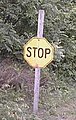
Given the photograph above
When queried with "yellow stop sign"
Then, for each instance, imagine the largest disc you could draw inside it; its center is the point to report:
(38, 52)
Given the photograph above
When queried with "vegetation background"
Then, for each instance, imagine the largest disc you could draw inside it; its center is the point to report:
(18, 23)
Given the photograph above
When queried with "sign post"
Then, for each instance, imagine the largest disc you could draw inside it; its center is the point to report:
(37, 70)
(38, 52)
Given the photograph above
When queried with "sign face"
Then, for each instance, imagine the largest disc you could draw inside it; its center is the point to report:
(38, 52)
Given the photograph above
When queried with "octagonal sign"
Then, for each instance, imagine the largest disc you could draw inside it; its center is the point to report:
(38, 52)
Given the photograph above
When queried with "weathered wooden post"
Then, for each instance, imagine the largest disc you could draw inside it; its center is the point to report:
(37, 70)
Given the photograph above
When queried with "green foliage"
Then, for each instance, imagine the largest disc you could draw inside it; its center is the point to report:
(8, 38)
(66, 70)
(18, 22)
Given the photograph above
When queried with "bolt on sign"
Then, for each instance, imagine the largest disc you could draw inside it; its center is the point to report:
(38, 52)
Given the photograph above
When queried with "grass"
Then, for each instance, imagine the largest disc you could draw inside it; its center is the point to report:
(17, 105)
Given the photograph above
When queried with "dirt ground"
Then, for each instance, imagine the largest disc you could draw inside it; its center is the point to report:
(14, 76)
(17, 77)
